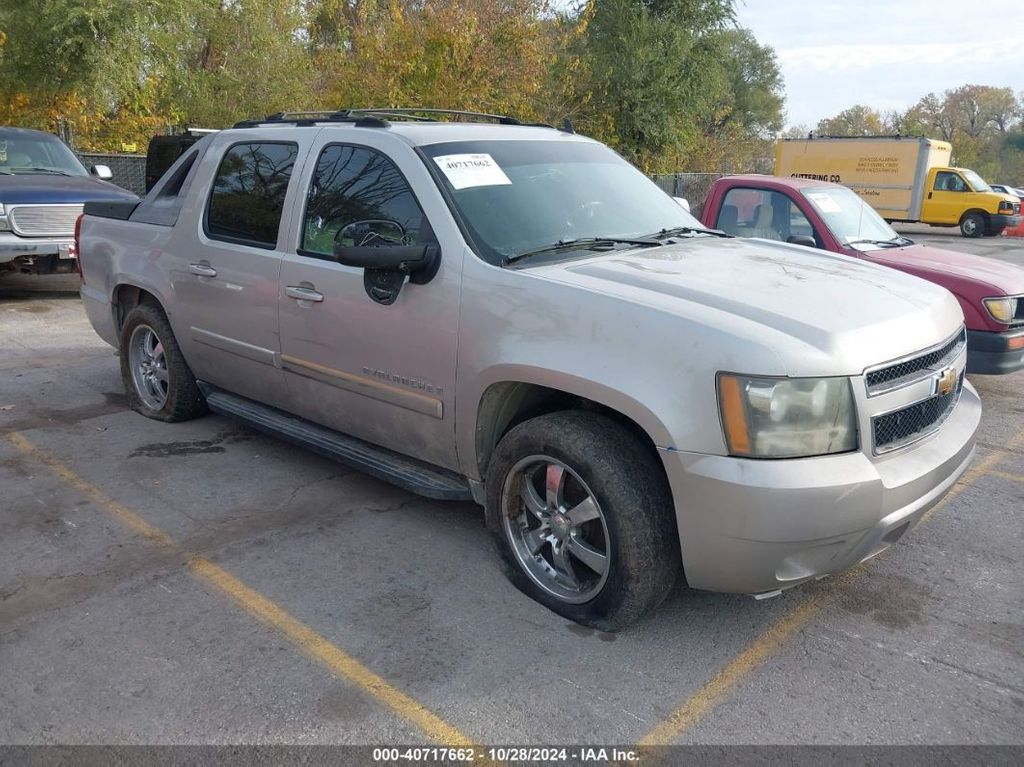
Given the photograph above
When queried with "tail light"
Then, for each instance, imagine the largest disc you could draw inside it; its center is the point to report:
(76, 249)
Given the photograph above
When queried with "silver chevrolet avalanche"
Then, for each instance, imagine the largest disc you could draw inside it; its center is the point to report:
(478, 309)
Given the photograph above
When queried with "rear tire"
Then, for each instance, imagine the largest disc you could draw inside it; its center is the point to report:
(972, 225)
(156, 377)
(582, 515)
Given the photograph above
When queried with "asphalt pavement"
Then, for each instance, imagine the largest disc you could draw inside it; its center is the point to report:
(201, 583)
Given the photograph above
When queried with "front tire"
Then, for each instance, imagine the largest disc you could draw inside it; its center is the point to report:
(583, 517)
(156, 377)
(972, 225)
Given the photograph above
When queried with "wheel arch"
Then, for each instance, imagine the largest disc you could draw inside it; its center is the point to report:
(985, 215)
(506, 403)
(126, 296)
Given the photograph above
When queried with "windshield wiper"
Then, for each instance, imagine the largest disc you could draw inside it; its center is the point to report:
(880, 243)
(45, 170)
(581, 243)
(676, 231)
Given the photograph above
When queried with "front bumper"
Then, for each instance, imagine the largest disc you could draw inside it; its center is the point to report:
(757, 526)
(1001, 220)
(991, 353)
(12, 246)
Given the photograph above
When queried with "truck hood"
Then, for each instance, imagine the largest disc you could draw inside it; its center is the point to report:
(25, 189)
(949, 267)
(820, 313)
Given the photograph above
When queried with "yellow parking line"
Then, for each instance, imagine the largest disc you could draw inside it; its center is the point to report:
(122, 513)
(714, 691)
(333, 657)
(312, 644)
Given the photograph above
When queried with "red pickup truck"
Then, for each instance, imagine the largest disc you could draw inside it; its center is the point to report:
(833, 218)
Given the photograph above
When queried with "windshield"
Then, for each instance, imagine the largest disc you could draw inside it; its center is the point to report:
(519, 196)
(851, 219)
(35, 154)
(977, 183)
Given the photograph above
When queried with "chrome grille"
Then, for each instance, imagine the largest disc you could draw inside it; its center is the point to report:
(918, 367)
(909, 424)
(44, 220)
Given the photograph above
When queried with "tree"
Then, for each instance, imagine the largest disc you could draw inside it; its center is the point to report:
(643, 72)
(747, 107)
(981, 122)
(858, 120)
(477, 55)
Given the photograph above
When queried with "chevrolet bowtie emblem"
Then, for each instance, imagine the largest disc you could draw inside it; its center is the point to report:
(945, 381)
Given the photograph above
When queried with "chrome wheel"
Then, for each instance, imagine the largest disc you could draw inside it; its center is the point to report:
(148, 367)
(556, 528)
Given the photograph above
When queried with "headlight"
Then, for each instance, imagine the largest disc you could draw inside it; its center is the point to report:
(787, 417)
(1001, 309)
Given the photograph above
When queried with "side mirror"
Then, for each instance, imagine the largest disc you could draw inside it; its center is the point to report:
(372, 232)
(379, 249)
(802, 239)
(102, 172)
(683, 203)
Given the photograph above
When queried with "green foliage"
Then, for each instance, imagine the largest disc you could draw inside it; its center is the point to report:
(646, 71)
(982, 123)
(746, 108)
(858, 120)
(673, 84)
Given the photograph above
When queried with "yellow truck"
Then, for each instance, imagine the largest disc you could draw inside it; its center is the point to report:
(904, 178)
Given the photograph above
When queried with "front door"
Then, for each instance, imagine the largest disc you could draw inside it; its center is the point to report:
(946, 200)
(383, 373)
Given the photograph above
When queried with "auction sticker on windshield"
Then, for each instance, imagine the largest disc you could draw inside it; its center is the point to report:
(825, 202)
(467, 170)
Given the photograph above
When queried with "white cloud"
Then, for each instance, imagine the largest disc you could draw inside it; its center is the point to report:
(880, 53)
(876, 56)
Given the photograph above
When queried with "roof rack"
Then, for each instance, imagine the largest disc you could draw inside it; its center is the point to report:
(377, 117)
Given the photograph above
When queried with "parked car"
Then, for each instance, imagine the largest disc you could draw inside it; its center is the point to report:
(904, 178)
(43, 186)
(833, 218)
(165, 149)
(515, 315)
(1013, 191)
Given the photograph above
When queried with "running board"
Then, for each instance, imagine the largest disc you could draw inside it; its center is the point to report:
(407, 473)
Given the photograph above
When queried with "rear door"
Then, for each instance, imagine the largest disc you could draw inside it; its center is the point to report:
(383, 373)
(227, 262)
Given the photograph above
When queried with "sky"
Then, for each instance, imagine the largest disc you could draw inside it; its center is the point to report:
(883, 53)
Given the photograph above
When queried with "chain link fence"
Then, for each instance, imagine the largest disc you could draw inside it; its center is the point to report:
(130, 173)
(693, 187)
(129, 169)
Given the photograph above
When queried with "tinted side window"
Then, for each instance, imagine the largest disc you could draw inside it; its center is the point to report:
(248, 193)
(355, 184)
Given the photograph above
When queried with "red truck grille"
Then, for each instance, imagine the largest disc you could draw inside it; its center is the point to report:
(44, 220)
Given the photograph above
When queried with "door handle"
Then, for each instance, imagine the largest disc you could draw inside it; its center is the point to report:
(303, 294)
(929, 195)
(202, 270)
